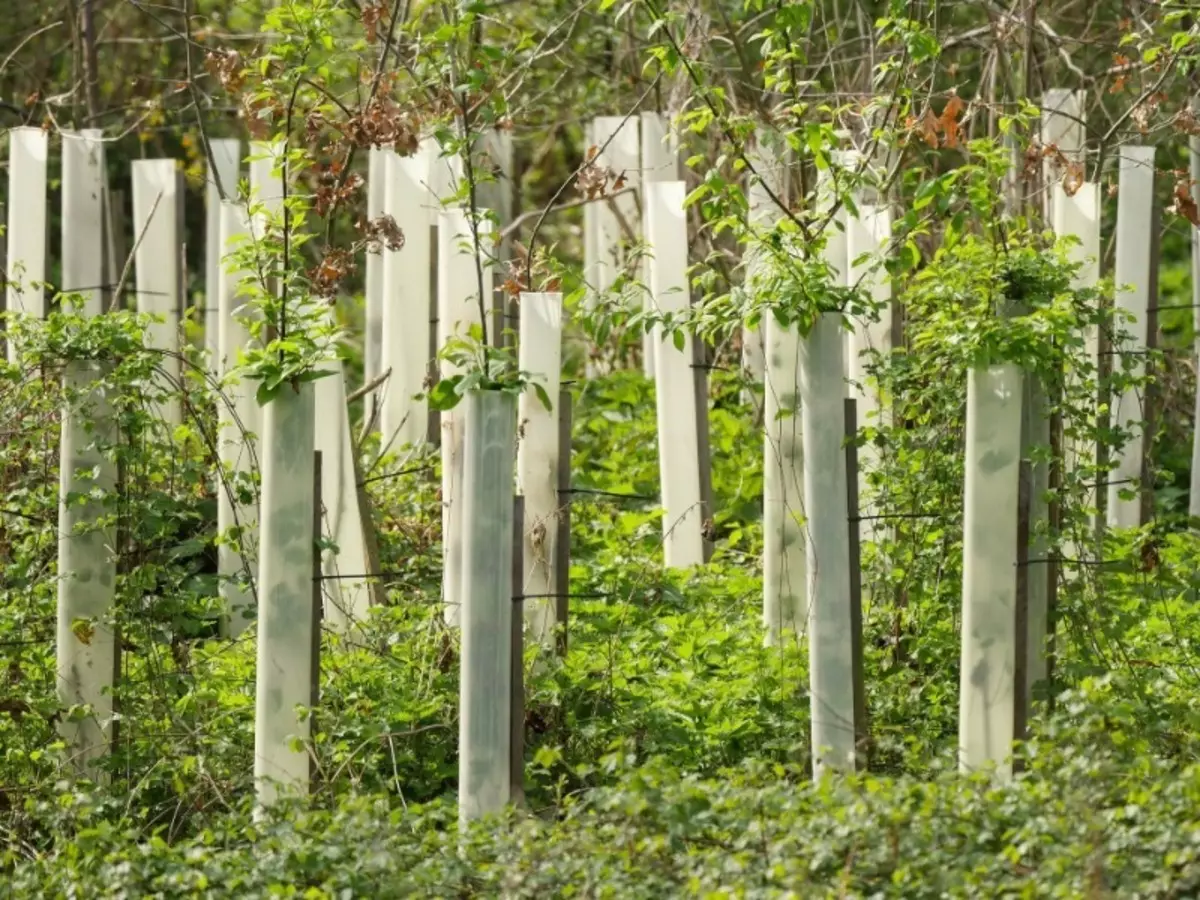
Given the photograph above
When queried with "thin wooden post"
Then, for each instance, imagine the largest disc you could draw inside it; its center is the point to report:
(516, 730)
(862, 731)
(1194, 171)
(1152, 405)
(318, 602)
(708, 508)
(562, 544)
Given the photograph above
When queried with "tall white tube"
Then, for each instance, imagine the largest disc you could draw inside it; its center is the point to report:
(769, 160)
(238, 425)
(346, 590)
(85, 643)
(266, 183)
(785, 605)
(1079, 216)
(679, 467)
(373, 301)
(226, 164)
(831, 661)
(156, 224)
(537, 459)
(407, 299)
(1063, 127)
(870, 334)
(1135, 225)
(486, 674)
(285, 620)
(616, 140)
(83, 217)
(26, 235)
(458, 310)
(866, 234)
(989, 617)
(660, 162)
(785, 560)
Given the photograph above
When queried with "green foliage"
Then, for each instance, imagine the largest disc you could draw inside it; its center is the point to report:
(1095, 815)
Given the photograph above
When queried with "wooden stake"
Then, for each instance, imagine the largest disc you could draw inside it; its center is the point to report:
(862, 731)
(318, 602)
(516, 730)
(562, 545)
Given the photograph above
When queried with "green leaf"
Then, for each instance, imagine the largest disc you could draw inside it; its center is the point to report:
(445, 394)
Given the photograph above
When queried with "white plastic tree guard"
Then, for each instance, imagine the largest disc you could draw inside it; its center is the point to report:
(345, 589)
(987, 692)
(459, 308)
(1062, 127)
(678, 465)
(407, 292)
(616, 140)
(660, 162)
(266, 183)
(785, 560)
(238, 424)
(285, 571)
(866, 236)
(785, 603)
(85, 638)
(156, 202)
(85, 643)
(83, 217)
(377, 166)
(1079, 216)
(830, 629)
(486, 674)
(1135, 225)
(537, 459)
(28, 149)
(445, 172)
(225, 164)
(769, 177)
(496, 192)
